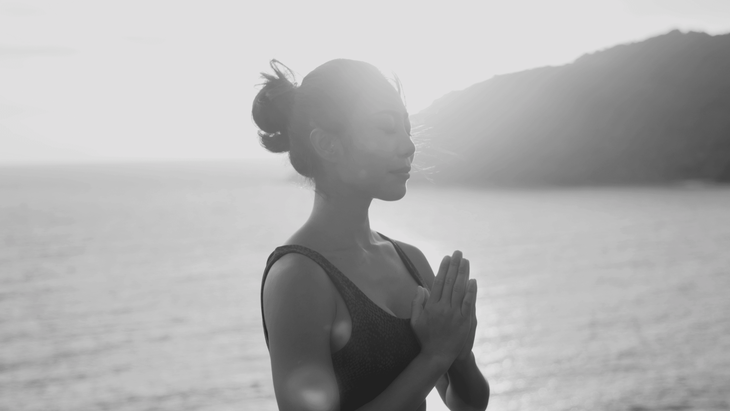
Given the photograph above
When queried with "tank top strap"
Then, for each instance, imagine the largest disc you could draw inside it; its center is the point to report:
(407, 261)
(353, 297)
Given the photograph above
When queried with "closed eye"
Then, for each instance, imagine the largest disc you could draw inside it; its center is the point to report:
(388, 121)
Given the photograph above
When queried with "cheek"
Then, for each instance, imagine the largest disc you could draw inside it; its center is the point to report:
(370, 157)
(375, 146)
(369, 161)
(362, 174)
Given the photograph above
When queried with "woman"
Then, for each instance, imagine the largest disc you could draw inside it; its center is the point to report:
(348, 316)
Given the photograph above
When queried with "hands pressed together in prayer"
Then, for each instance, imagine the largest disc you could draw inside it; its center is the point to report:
(444, 319)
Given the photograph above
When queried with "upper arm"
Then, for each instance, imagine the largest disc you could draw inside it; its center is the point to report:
(299, 307)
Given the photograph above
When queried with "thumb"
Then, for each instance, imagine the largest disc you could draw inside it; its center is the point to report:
(417, 304)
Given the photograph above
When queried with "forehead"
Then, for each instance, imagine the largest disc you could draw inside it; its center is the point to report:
(378, 98)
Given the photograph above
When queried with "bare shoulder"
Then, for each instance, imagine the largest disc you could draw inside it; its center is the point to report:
(419, 260)
(299, 307)
(295, 279)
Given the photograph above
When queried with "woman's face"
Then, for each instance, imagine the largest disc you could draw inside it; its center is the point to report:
(378, 148)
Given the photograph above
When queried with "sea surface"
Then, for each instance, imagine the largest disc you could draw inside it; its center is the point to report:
(136, 287)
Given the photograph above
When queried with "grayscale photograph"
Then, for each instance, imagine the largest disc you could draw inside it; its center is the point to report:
(230, 205)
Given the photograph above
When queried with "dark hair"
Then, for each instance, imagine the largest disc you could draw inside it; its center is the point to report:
(286, 113)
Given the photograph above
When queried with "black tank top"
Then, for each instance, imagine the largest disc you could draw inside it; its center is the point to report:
(381, 345)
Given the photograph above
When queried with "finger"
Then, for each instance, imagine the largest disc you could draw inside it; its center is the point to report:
(474, 305)
(438, 282)
(469, 303)
(462, 281)
(450, 278)
(417, 303)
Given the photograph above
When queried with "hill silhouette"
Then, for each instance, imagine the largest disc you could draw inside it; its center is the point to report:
(654, 111)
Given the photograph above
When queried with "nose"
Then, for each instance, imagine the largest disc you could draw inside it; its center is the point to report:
(407, 148)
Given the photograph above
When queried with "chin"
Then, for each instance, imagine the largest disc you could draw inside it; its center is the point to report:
(392, 193)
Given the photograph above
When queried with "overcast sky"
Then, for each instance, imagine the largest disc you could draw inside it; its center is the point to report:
(90, 80)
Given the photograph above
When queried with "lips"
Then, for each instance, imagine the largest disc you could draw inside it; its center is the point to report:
(403, 170)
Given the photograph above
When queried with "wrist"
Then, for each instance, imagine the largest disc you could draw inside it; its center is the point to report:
(464, 360)
(437, 360)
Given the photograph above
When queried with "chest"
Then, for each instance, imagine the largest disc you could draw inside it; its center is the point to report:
(383, 277)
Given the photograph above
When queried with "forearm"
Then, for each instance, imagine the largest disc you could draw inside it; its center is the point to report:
(410, 389)
(468, 389)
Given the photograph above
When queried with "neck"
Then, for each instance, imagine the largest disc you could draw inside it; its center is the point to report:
(342, 220)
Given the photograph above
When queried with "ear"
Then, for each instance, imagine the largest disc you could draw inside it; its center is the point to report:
(327, 145)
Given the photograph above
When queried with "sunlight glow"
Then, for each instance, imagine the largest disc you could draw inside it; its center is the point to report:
(315, 400)
(83, 80)
(313, 388)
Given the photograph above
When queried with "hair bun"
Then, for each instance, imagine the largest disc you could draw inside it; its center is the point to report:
(272, 108)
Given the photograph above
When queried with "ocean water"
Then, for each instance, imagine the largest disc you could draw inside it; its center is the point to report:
(136, 287)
